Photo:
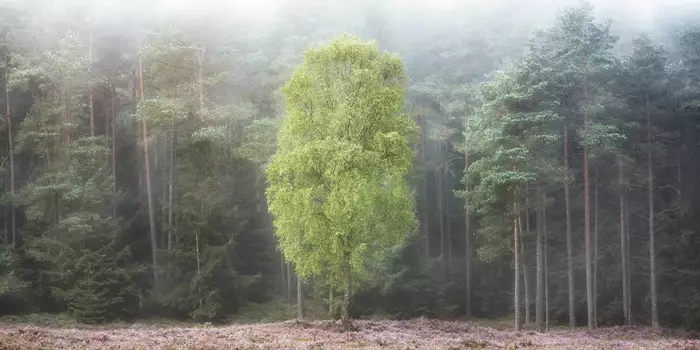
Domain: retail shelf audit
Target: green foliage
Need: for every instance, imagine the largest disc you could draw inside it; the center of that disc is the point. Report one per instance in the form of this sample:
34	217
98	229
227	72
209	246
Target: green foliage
338	188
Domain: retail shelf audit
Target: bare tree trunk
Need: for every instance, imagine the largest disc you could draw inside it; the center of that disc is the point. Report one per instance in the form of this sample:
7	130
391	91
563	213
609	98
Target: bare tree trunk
539	298
546	261
448	220
516	265
595	253
438	178
426	218
652	245
526	280
623	248
90	103
289	282
171	236
345	310
300	299
467	232
587	208
628	259
149	193
8	114
569	252
283	286
114	155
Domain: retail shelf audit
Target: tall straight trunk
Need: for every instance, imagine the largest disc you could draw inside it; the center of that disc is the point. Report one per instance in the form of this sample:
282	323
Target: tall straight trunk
526	279
114	154
90	103
448	220
8	114
283	285
426	223
467	233
595	253
587	209
289	282
516	265
652	248
546	261
569	253
539	298
300	299
623	248
438	178
171	170
345	310
6	213
628	258
149	193
330	301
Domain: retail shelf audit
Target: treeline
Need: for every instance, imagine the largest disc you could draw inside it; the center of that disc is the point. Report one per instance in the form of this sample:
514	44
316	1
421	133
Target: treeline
134	155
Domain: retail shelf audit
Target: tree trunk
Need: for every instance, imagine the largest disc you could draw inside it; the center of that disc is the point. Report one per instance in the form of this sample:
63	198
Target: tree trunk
426	219
283	284
300	299
448	220
587	209
467	234
546	262
91	108
114	155
345	310
516	266
171	170
149	193
623	248
569	253
595	253
526	280
289	282
652	248
539	298
330	301
438	178
8	114
628	257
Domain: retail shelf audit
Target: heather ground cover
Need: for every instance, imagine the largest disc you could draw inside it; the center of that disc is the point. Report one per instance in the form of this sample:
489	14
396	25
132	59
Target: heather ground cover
370	334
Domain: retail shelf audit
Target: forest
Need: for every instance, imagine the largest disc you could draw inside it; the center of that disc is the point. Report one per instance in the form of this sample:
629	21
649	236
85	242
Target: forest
532	163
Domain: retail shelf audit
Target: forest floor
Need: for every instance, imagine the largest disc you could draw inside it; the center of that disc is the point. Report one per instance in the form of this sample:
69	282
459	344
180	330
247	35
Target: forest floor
370	334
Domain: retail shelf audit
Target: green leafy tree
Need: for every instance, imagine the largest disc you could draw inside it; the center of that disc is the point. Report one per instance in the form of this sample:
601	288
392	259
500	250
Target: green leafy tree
338	188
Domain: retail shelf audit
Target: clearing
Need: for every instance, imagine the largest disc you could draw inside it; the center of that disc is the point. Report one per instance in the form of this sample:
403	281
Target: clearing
412	334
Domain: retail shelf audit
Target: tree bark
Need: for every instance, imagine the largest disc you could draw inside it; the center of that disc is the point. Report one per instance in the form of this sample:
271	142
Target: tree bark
438	178
569	253
539	298
171	170
587	208
623	248
628	256
8	114
300	299
546	262
149	193
448	220
426	218
114	154
526	280
467	232
345	310
516	265
289	282
90	103
595	253
652	247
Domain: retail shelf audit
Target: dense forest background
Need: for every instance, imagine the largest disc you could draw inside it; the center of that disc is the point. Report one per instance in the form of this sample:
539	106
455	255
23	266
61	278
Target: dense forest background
135	138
